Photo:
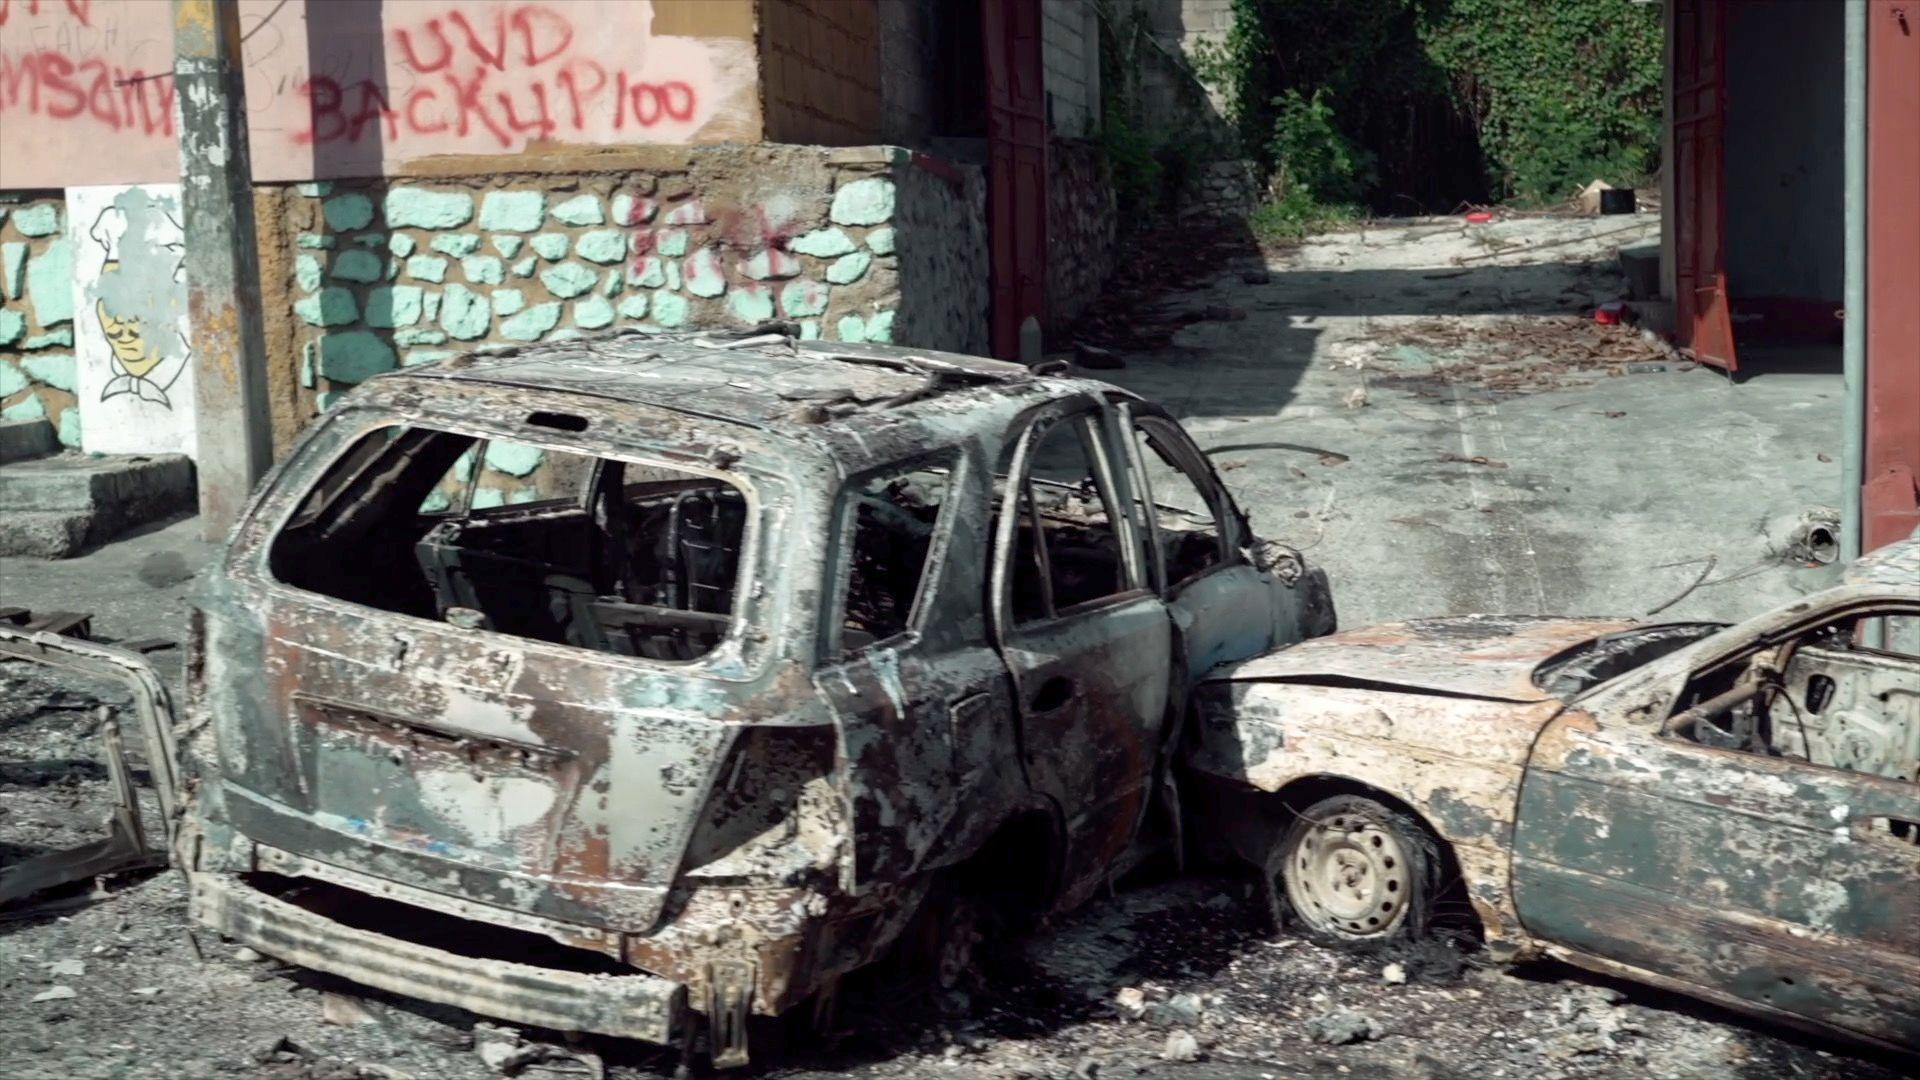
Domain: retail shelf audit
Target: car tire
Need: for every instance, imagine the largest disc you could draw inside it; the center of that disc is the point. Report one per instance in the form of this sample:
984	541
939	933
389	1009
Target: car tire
1350	871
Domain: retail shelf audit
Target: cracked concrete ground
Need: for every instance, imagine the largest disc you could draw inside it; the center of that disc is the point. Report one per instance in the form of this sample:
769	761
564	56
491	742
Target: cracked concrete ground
1571	509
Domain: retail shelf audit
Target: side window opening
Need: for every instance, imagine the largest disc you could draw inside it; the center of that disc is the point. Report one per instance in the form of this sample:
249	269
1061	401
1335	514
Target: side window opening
550	545
895	519
1184	516
1819	697
1066	549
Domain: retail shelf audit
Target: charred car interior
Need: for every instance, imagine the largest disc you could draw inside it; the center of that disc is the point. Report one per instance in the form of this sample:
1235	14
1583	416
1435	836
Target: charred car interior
603	554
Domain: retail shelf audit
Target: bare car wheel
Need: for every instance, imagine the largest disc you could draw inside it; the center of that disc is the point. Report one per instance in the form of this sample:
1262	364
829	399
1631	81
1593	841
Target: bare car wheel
1351	871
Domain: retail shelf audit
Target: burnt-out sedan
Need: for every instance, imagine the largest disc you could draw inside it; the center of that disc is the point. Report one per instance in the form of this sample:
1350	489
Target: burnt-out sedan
644	683
1728	811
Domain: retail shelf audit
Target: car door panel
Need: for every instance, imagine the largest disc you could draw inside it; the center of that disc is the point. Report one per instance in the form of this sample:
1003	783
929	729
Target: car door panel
1735	873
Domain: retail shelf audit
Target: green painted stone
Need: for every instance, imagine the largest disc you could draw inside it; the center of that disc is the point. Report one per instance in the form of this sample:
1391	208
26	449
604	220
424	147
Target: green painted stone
669	309
568	280
42	219
70	427
751	303
508	246
593	313
880	327
465	314
419	336
851	328
13	263
347	212
27	408
821	243
427	268
483	269
11	381
354	356
632	209
881	241
605	246
436	500
550	245
400	244
358	265
328	307
430	306
326	399
463	466
419	208
673	275
530	324
810	330
801	297
50	283
524	268
314	242
848	269
611	285
306	365
868	201
578	211
59	336
306	272
488	498
393	269
416	357
650	275
671	242
704	275
513	211
508	301
389	306
371	239
456	244
314	189
634	307
567	333
12	324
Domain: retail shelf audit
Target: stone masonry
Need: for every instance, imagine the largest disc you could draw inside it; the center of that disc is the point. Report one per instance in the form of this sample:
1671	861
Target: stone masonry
36	314
853	244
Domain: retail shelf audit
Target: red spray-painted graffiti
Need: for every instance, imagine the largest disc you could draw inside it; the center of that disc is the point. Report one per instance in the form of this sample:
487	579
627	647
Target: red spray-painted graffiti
508	79
62	74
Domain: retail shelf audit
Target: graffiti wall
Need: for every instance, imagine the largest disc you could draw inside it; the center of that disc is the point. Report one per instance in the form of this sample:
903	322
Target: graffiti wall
360	87
131	339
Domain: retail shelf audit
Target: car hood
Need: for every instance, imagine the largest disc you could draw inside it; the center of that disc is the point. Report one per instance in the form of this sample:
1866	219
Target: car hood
1477	656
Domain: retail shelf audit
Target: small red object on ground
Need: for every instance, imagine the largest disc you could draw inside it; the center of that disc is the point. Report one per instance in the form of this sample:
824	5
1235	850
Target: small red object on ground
1611	313
1480	217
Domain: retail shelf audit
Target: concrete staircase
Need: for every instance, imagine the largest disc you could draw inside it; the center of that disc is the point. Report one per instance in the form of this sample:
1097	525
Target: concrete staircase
54	505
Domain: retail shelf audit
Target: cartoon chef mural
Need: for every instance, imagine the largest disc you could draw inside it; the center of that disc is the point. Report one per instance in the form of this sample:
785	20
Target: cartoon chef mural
132	334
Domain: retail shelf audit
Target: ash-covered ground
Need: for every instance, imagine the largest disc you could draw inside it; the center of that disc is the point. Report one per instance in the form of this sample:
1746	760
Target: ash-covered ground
1168	977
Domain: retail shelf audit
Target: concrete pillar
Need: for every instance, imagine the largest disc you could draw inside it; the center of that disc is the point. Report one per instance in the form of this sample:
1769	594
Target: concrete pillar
223	266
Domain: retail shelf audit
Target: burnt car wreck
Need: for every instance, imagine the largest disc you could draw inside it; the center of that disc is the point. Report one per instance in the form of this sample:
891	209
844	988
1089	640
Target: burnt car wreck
1731	812
640	685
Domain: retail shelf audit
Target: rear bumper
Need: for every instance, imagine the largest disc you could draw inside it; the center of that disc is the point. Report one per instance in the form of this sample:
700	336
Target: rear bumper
628	1006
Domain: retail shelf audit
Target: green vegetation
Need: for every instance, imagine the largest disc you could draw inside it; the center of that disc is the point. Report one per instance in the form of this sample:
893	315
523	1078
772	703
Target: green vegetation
1410	105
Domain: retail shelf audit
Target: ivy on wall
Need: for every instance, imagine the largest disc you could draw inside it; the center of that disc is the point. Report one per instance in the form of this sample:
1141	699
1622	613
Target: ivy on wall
1418	104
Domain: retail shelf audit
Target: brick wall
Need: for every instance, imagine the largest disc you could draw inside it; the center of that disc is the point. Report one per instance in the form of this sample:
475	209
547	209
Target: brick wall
820	71
1070	52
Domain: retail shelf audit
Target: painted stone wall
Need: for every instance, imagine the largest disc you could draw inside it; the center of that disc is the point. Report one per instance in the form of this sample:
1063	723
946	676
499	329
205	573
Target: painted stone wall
1082	224
854	244
37	376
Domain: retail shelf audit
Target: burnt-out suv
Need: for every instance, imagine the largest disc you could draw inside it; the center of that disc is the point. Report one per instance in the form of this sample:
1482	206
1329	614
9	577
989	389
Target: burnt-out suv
625	684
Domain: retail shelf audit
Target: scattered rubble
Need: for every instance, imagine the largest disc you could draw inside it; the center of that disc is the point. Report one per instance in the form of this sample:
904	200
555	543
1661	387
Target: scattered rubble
1343	1026
1510	355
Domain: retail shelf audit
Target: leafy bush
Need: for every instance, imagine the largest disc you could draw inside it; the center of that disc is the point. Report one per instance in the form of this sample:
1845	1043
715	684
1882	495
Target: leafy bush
1311	155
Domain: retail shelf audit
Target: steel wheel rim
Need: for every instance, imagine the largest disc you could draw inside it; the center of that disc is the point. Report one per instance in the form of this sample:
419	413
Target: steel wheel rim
1348	875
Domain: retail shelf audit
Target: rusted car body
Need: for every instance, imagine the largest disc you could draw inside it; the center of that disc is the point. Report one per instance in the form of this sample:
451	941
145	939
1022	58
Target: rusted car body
1728	811
753	644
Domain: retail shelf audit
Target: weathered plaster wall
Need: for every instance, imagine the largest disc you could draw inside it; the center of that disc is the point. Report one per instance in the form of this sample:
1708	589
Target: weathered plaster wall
363	87
1082	223
1070	56
856	244
37	375
820	82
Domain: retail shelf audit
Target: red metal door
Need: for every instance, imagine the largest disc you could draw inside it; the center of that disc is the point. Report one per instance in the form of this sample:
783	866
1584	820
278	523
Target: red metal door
1891	494
1017	168
1701	315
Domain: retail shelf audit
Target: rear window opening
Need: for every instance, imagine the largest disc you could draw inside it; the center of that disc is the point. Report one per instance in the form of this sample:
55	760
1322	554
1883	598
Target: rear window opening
602	554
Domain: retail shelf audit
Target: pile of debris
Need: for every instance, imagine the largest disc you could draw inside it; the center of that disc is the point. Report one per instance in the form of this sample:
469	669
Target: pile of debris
1510	356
